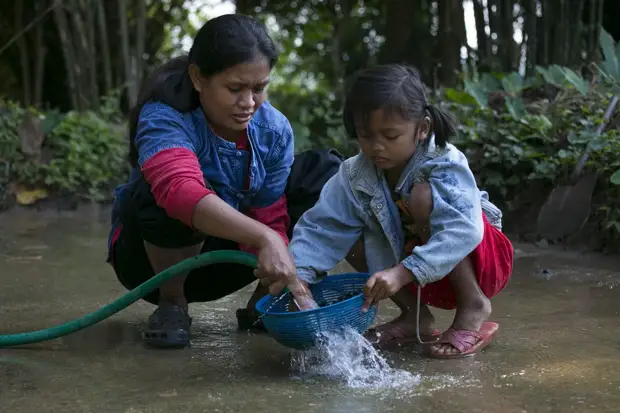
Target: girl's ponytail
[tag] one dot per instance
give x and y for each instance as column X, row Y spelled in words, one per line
column 443, row 124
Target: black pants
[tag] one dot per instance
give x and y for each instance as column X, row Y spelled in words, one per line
column 143, row 220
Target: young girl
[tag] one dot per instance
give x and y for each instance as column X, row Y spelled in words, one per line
column 409, row 209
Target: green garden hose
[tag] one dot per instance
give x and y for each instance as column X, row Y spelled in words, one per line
column 208, row 258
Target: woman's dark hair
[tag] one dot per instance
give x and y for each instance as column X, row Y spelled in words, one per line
column 398, row 89
column 221, row 43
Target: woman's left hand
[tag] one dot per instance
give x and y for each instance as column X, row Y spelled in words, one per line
column 384, row 284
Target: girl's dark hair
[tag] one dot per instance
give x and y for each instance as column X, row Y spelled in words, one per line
column 395, row 88
column 221, row 43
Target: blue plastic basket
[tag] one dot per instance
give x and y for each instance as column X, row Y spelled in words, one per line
column 300, row 329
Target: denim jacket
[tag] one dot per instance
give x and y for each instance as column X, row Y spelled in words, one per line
column 357, row 201
column 224, row 166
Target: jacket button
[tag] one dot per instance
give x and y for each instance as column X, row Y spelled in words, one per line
column 379, row 206
column 239, row 154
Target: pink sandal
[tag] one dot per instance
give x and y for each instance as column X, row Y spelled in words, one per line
column 466, row 342
column 390, row 335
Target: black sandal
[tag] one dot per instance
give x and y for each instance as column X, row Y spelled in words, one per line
column 169, row 327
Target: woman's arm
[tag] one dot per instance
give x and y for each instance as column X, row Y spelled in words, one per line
column 326, row 232
column 456, row 219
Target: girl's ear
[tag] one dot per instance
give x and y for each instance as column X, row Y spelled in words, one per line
column 424, row 128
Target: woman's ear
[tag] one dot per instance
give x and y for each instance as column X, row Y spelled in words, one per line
column 194, row 74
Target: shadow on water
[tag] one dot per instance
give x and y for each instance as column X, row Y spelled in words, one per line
column 557, row 349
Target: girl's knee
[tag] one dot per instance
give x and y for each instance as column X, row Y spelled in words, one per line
column 357, row 256
column 420, row 202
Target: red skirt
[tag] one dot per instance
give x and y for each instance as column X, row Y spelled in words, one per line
column 492, row 259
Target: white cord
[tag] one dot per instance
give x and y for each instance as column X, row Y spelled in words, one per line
column 417, row 319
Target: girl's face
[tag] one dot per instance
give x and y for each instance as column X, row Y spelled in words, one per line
column 389, row 140
column 230, row 98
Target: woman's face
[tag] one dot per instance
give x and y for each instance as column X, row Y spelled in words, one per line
column 230, row 98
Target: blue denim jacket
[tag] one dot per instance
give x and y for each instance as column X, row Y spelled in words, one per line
column 223, row 165
column 356, row 201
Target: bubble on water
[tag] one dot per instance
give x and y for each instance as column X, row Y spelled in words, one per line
column 347, row 356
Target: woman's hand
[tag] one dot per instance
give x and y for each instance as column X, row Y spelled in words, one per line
column 276, row 270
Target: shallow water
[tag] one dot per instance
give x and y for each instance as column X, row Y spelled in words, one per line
column 557, row 349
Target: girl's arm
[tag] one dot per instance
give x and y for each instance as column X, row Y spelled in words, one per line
column 325, row 233
column 456, row 219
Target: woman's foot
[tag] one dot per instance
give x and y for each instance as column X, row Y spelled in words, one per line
column 469, row 319
column 168, row 326
column 403, row 329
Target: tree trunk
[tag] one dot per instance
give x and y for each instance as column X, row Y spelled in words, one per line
column 89, row 9
column 506, row 45
column 543, row 30
column 484, row 45
column 246, row 6
column 578, row 34
column 530, row 26
column 127, row 58
column 85, row 59
column 342, row 25
column 407, row 36
column 69, row 56
column 23, row 55
column 451, row 38
column 105, row 46
column 140, row 42
column 597, row 33
column 41, row 53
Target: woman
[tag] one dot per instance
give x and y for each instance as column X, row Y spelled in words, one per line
column 211, row 162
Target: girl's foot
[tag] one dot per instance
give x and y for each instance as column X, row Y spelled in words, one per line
column 467, row 322
column 403, row 329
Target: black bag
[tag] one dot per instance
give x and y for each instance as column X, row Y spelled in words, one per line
column 310, row 172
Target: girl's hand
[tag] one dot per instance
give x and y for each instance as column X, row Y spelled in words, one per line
column 384, row 284
column 277, row 270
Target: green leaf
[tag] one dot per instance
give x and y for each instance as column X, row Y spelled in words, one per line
column 478, row 93
column 576, row 80
column 513, row 83
column 611, row 63
column 553, row 75
column 515, row 107
column 615, row 178
column 460, row 97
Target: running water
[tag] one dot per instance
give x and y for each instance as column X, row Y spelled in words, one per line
column 346, row 355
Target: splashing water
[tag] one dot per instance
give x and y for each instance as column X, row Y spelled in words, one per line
column 348, row 356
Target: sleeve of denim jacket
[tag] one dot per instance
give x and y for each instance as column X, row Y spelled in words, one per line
column 456, row 219
column 326, row 232
column 161, row 127
column 278, row 163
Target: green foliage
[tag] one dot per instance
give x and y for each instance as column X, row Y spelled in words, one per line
column 316, row 119
column 521, row 148
column 83, row 154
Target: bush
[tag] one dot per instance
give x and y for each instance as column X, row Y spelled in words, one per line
column 83, row 155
